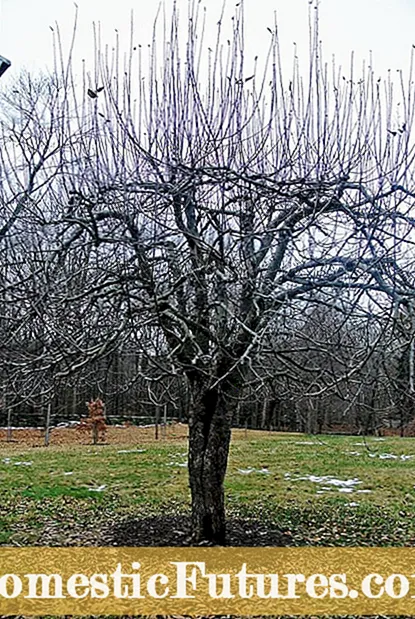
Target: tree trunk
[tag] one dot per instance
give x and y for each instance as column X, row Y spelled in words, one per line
column 94, row 433
column 209, row 439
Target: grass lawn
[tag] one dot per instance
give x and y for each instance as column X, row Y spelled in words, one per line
column 326, row 490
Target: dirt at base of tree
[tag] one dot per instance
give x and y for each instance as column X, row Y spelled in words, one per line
column 174, row 531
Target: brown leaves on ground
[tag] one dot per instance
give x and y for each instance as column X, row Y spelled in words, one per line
column 115, row 435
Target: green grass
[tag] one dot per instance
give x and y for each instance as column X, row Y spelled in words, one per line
column 40, row 504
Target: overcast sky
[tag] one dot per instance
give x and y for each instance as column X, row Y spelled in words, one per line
column 387, row 27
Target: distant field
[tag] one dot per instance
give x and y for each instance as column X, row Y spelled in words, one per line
column 114, row 435
column 324, row 490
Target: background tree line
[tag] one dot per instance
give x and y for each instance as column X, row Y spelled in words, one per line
column 316, row 395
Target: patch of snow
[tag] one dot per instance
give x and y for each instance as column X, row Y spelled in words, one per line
column 130, row 451
column 72, row 424
column 67, row 424
column 386, row 456
column 9, row 461
column 306, row 443
column 363, row 491
column 353, row 504
column 68, row 473
column 354, row 453
column 22, row 428
column 183, row 464
column 333, row 481
column 263, row 471
column 99, row 489
column 330, row 482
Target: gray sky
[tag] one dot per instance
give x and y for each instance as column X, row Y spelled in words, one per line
column 387, row 27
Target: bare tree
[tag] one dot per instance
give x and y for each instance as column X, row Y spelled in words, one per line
column 215, row 200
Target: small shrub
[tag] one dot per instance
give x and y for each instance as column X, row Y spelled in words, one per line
column 96, row 421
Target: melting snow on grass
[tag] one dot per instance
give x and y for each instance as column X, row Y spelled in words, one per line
column 390, row 456
column 178, row 455
column 342, row 485
column 264, row 471
column 9, row 461
column 306, row 443
column 131, row 451
column 381, row 456
column 99, row 489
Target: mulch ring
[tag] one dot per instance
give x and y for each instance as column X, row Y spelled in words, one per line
column 174, row 530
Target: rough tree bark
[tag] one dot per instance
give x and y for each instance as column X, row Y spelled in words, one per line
column 213, row 405
column 209, row 439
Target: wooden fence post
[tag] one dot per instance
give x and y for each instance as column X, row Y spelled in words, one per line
column 47, row 423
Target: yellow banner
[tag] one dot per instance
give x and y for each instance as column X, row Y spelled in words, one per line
column 200, row 581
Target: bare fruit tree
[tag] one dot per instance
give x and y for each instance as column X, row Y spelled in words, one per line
column 216, row 200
